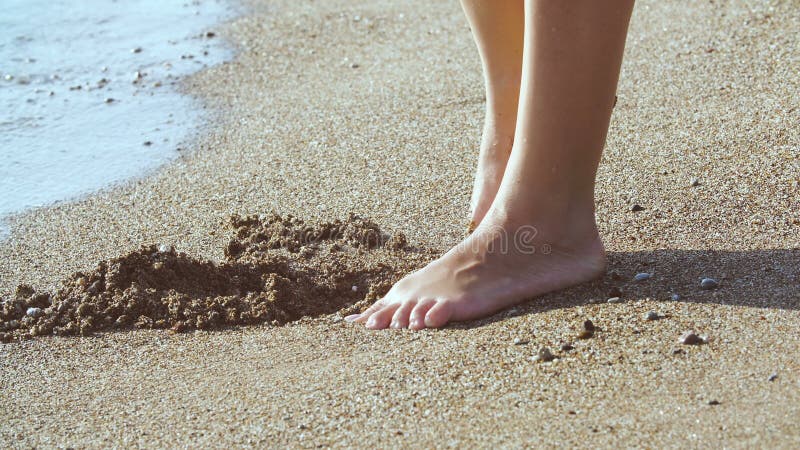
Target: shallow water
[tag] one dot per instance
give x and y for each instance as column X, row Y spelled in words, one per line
column 88, row 91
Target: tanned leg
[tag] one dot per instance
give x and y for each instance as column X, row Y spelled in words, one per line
column 498, row 28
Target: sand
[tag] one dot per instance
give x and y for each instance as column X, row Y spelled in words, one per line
column 340, row 107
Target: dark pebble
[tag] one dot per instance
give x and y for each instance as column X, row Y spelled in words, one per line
column 567, row 347
column 642, row 276
column 588, row 325
column 773, row 377
column 147, row 143
column 694, row 182
column 691, row 338
column 709, row 283
column 713, row 403
column 109, row 100
column 637, row 208
column 210, row 34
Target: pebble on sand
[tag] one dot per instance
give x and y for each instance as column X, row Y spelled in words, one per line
column 642, row 276
column 355, row 66
column 544, row 355
column 136, row 50
column 713, row 402
column 694, row 182
column 709, row 283
column 675, row 297
column 34, row 312
column 520, row 341
column 164, row 248
column 652, row 315
column 109, row 100
column 692, row 338
column 354, row 288
column 614, row 300
column 567, row 347
column 588, row 330
column 773, row 377
column 637, row 208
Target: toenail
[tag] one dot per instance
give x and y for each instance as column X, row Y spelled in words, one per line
column 352, row 317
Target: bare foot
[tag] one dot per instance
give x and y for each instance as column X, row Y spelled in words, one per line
column 497, row 266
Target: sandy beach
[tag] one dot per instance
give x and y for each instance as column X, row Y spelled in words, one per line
column 375, row 109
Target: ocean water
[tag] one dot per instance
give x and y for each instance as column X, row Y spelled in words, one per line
column 88, row 91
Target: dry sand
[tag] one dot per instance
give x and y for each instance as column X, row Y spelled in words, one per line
column 375, row 108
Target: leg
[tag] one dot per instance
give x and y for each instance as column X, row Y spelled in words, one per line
column 544, row 209
column 498, row 28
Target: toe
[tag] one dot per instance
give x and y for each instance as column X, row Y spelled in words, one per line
column 439, row 315
column 380, row 319
column 401, row 316
column 377, row 306
column 417, row 319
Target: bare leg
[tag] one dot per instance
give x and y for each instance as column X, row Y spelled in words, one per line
column 572, row 55
column 498, row 28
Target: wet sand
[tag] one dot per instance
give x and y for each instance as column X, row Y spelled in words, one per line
column 375, row 109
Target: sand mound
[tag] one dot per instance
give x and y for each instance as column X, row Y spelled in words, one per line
column 276, row 270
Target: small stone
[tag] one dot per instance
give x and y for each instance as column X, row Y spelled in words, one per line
column 675, row 297
column 713, row 403
column 614, row 300
column 355, row 66
column 164, row 248
column 642, row 276
column 708, row 284
column 588, row 330
column 694, row 182
column 9, row 77
column 147, row 143
column 691, row 338
column 336, row 319
column 567, row 347
column 651, row 315
column 34, row 312
column 210, row 34
column 109, row 100
column 588, row 325
column 355, row 288
column 637, row 208
column 520, row 341
column 773, row 377
column 136, row 50
column 544, row 355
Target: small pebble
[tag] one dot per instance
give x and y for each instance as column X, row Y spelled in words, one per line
column 147, row 143
column 642, row 276
column 544, row 355
column 34, row 312
column 713, row 403
column 210, row 34
column 109, row 100
column 355, row 66
column 136, row 50
column 637, row 208
column 675, row 297
column 694, row 182
column 520, row 341
column 567, row 347
column 691, row 338
column 164, row 248
column 651, row 315
column 773, row 377
column 355, row 288
column 708, row 283
column 614, row 300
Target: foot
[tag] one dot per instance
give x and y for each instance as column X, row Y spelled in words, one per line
column 497, row 266
column 492, row 161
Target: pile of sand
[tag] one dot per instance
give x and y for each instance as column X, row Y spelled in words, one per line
column 276, row 270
